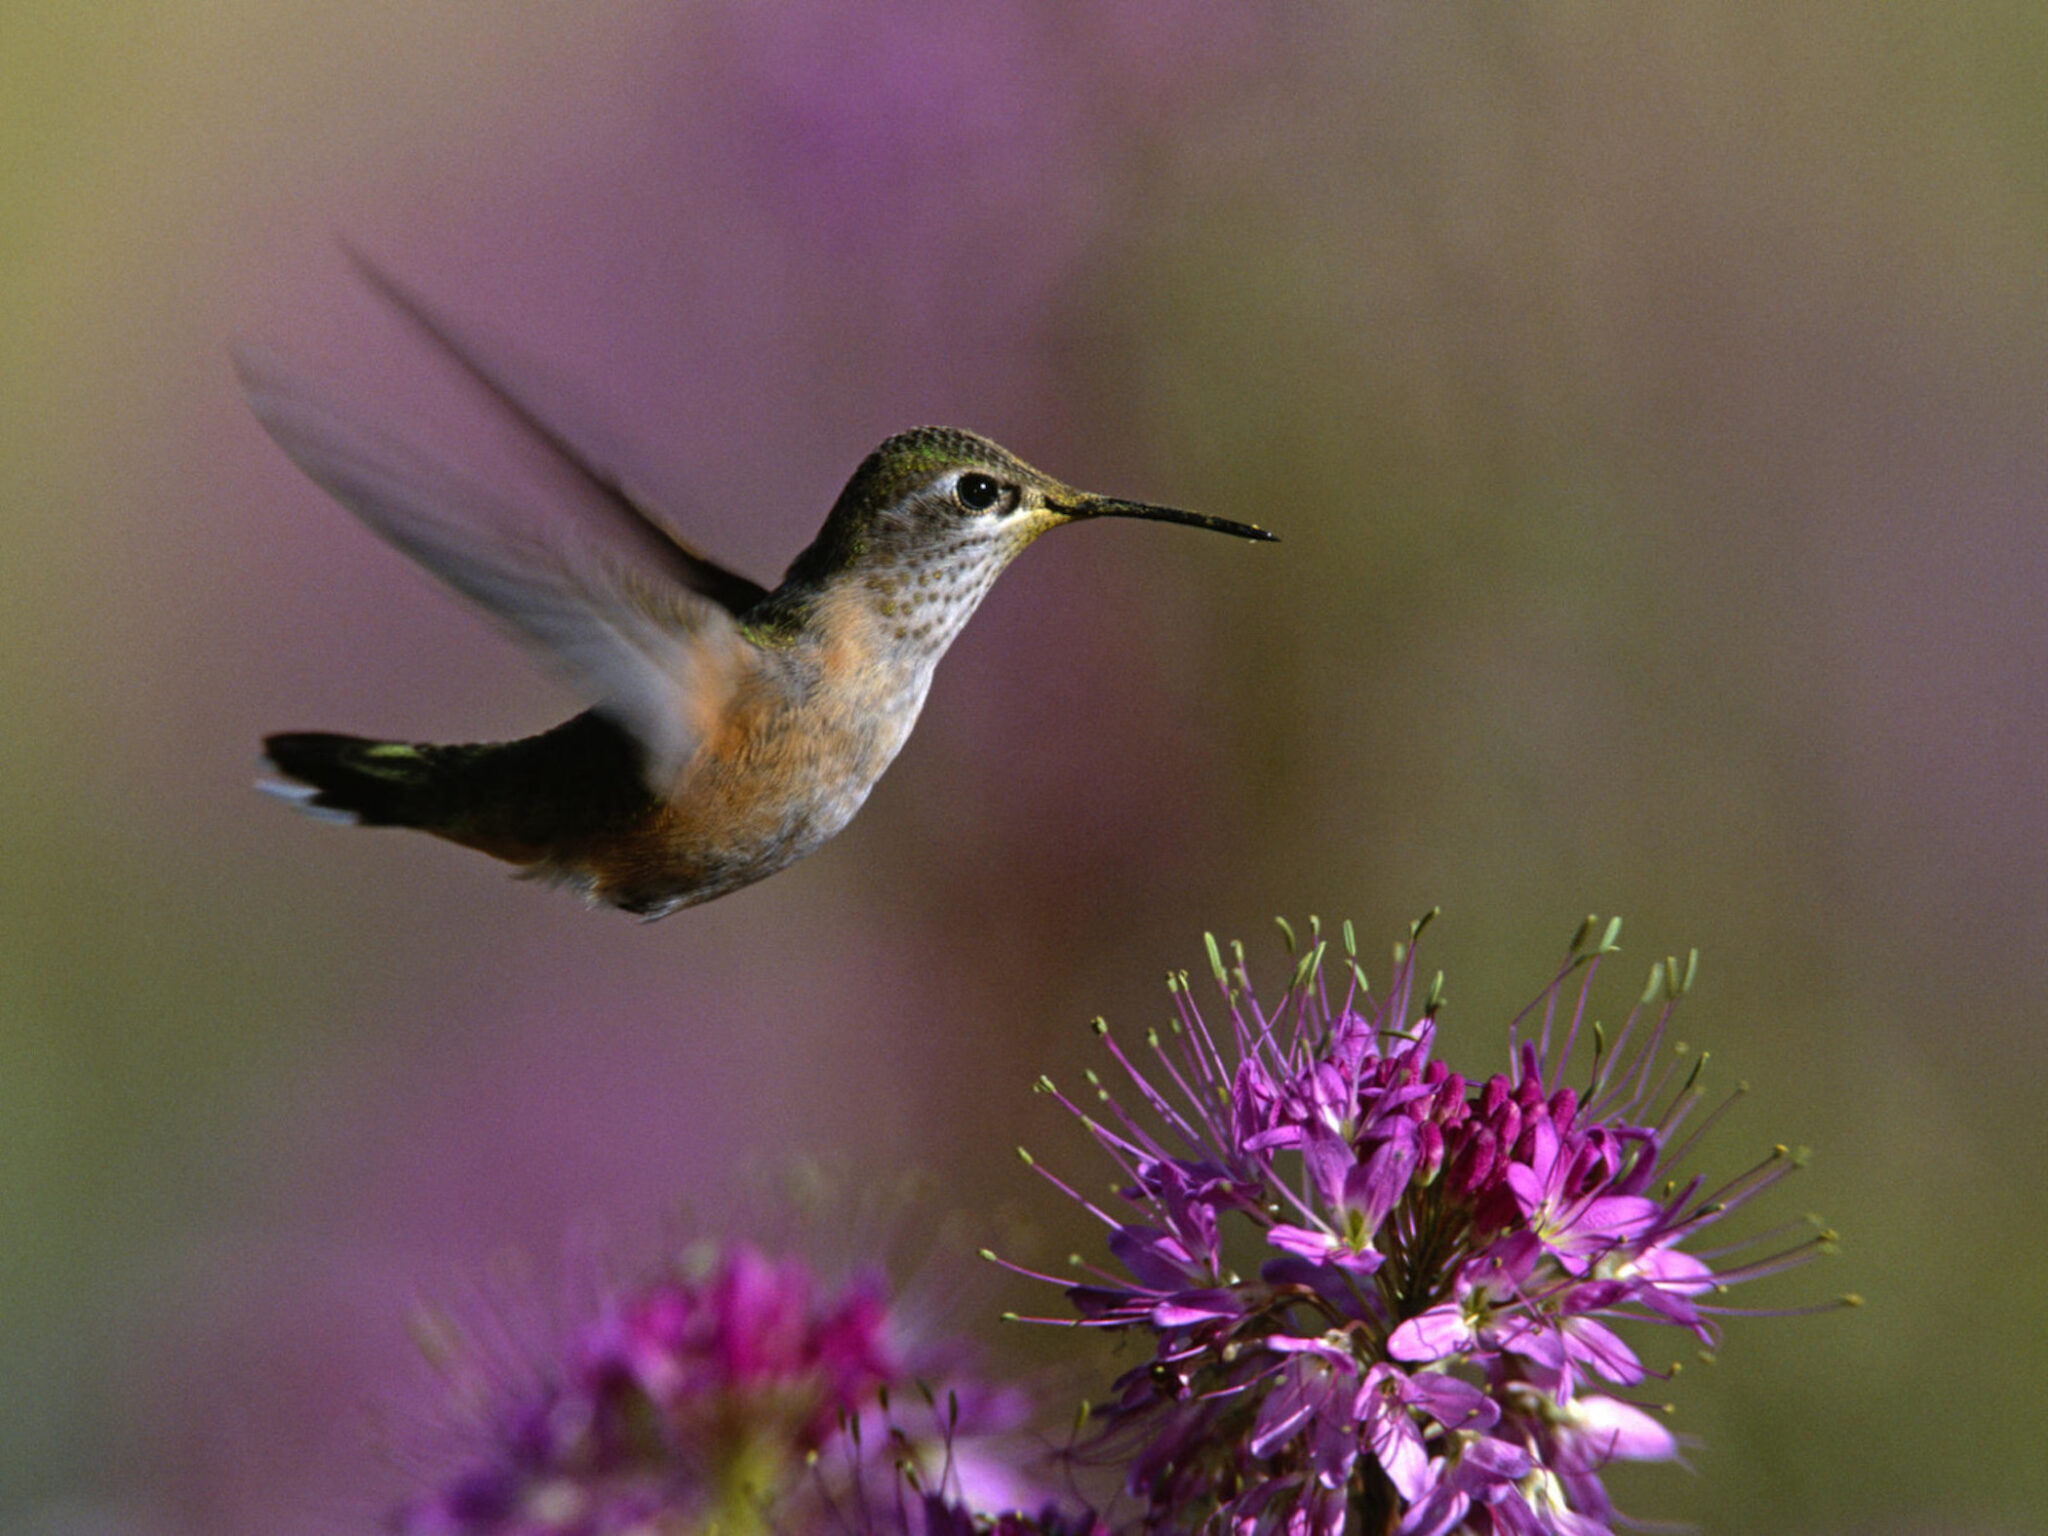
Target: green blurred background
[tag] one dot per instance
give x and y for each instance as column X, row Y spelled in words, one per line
column 1652, row 404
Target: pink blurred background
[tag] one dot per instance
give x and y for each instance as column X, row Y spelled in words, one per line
column 1652, row 406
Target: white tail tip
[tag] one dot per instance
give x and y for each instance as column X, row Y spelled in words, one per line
column 300, row 798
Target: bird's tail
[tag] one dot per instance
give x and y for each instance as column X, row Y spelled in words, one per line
column 363, row 782
column 525, row 802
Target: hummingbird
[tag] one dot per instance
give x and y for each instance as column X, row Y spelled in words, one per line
column 734, row 728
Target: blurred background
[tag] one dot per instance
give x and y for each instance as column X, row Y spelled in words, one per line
column 1652, row 406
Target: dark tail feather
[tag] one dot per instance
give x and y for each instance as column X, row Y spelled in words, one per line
column 353, row 779
column 520, row 801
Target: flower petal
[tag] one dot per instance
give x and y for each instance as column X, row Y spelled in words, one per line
column 1437, row 1334
column 1607, row 1429
column 1452, row 1403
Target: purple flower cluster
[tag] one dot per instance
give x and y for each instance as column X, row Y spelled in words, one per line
column 1381, row 1294
column 734, row 1398
column 1381, row 1299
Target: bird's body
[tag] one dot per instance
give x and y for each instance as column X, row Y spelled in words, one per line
column 738, row 728
column 798, row 730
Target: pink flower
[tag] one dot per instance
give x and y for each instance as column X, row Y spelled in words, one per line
column 729, row 1395
column 1442, row 1258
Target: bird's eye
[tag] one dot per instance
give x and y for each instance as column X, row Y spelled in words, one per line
column 977, row 493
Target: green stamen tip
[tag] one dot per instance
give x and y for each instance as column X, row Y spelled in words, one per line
column 1306, row 967
column 1656, row 985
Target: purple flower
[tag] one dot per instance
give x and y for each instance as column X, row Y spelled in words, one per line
column 736, row 1394
column 1381, row 1295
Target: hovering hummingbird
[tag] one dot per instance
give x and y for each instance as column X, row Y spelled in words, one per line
column 737, row 728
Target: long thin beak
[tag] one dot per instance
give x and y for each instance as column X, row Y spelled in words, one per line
column 1110, row 506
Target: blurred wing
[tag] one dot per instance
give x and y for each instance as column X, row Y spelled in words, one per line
column 660, row 658
column 647, row 532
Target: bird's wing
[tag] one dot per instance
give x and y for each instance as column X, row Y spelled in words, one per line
column 648, row 531
column 659, row 657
